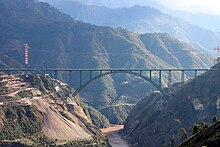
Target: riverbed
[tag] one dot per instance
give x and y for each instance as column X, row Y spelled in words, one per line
column 115, row 140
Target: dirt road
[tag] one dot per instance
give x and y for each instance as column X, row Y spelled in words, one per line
column 114, row 138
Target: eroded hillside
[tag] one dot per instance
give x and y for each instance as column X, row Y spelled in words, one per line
column 58, row 41
column 37, row 110
column 155, row 120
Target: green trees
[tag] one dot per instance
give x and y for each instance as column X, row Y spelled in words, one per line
column 10, row 131
column 196, row 127
column 172, row 143
column 182, row 134
column 215, row 119
column 30, row 126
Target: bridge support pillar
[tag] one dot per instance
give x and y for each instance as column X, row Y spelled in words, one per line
column 80, row 78
column 195, row 73
column 182, row 76
column 140, row 72
column 169, row 78
column 160, row 79
column 55, row 74
column 90, row 75
column 150, row 76
column 70, row 77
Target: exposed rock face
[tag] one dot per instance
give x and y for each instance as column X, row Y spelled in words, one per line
column 155, row 120
column 33, row 106
column 58, row 41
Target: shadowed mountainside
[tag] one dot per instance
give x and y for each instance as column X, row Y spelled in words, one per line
column 142, row 19
column 154, row 121
column 209, row 136
column 58, row 41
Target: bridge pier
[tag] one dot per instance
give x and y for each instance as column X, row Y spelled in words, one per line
column 55, row 74
column 169, row 78
column 195, row 73
column 90, row 75
column 70, row 77
column 160, row 79
column 140, row 72
column 80, row 78
column 182, row 76
column 93, row 74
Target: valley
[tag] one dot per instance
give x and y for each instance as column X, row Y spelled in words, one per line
column 113, row 137
column 58, row 123
column 192, row 102
column 94, row 75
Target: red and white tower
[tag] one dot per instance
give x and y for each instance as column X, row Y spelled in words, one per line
column 217, row 59
column 26, row 47
column 217, row 49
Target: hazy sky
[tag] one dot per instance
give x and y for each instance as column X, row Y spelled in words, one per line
column 205, row 6
column 211, row 6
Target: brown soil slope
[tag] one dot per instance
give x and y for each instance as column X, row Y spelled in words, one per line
column 36, row 106
column 58, row 127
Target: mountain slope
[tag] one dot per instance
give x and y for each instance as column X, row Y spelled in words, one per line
column 173, row 52
column 208, row 21
column 41, row 110
column 61, row 42
column 207, row 137
column 141, row 19
column 155, row 120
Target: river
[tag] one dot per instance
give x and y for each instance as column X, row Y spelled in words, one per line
column 115, row 140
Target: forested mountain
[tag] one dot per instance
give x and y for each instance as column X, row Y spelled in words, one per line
column 207, row 21
column 110, row 3
column 58, row 41
column 141, row 19
column 207, row 136
column 156, row 120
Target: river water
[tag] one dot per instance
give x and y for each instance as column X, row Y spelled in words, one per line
column 115, row 140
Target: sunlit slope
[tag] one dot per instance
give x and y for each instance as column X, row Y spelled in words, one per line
column 155, row 120
column 58, row 41
column 142, row 19
column 36, row 111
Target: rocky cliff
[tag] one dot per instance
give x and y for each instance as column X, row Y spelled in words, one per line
column 58, row 41
column 155, row 120
column 36, row 110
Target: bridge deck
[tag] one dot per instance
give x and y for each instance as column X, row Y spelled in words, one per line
column 105, row 71
column 114, row 69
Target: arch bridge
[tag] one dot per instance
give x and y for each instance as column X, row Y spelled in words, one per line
column 153, row 76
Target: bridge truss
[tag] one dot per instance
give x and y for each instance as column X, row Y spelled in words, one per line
column 153, row 76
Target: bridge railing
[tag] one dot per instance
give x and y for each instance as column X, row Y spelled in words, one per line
column 85, row 76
